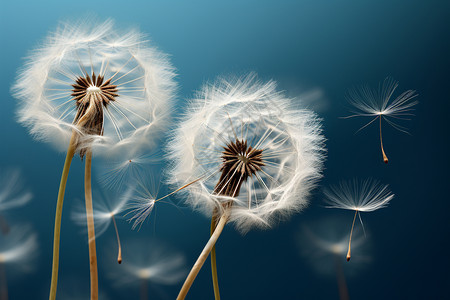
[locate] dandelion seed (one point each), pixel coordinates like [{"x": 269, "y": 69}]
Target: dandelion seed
[
  {"x": 93, "y": 90},
  {"x": 365, "y": 196},
  {"x": 12, "y": 194},
  {"x": 106, "y": 209},
  {"x": 121, "y": 171},
  {"x": 18, "y": 251},
  {"x": 378, "y": 105},
  {"x": 148, "y": 261},
  {"x": 323, "y": 244},
  {"x": 244, "y": 155}
]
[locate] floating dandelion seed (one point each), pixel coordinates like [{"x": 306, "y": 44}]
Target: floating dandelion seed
[
  {"x": 148, "y": 261},
  {"x": 323, "y": 244},
  {"x": 91, "y": 89},
  {"x": 18, "y": 251},
  {"x": 12, "y": 194},
  {"x": 106, "y": 210},
  {"x": 365, "y": 196},
  {"x": 377, "y": 104},
  {"x": 122, "y": 170},
  {"x": 143, "y": 199},
  {"x": 244, "y": 154}
]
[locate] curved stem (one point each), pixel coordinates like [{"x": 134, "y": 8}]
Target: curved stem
[
  {"x": 215, "y": 279},
  {"x": 350, "y": 240},
  {"x": 203, "y": 256},
  {"x": 119, "y": 254},
  {"x": 385, "y": 159},
  {"x": 90, "y": 225},
  {"x": 59, "y": 205}
]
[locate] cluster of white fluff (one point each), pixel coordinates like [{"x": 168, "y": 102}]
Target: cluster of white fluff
[
  {"x": 143, "y": 75},
  {"x": 243, "y": 108}
]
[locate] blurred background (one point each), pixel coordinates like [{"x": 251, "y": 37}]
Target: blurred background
[{"x": 315, "y": 50}]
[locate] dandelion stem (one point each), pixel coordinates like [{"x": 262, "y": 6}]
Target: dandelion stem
[
  {"x": 119, "y": 254},
  {"x": 144, "y": 289},
  {"x": 4, "y": 226},
  {"x": 90, "y": 225},
  {"x": 342, "y": 284},
  {"x": 59, "y": 205},
  {"x": 350, "y": 240},
  {"x": 3, "y": 283},
  {"x": 204, "y": 255},
  {"x": 215, "y": 279},
  {"x": 385, "y": 159}
]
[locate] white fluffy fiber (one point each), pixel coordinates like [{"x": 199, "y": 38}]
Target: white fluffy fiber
[
  {"x": 144, "y": 77},
  {"x": 243, "y": 107}
]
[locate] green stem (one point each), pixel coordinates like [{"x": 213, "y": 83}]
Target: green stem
[
  {"x": 59, "y": 205},
  {"x": 215, "y": 279},
  {"x": 90, "y": 225}
]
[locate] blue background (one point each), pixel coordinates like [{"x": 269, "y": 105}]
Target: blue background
[{"x": 329, "y": 46}]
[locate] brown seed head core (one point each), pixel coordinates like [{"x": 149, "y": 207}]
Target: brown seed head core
[
  {"x": 239, "y": 162},
  {"x": 91, "y": 94}
]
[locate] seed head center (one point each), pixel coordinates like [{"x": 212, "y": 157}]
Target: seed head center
[
  {"x": 93, "y": 89},
  {"x": 243, "y": 158}
]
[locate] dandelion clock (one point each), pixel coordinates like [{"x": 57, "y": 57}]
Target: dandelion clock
[
  {"x": 91, "y": 89},
  {"x": 245, "y": 155}
]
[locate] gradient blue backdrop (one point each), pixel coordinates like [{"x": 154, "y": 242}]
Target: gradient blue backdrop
[{"x": 329, "y": 46}]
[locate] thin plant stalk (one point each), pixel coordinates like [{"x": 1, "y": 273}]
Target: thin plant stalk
[
  {"x": 215, "y": 279},
  {"x": 59, "y": 205},
  {"x": 385, "y": 159},
  {"x": 3, "y": 283},
  {"x": 342, "y": 284},
  {"x": 90, "y": 225},
  {"x": 203, "y": 256},
  {"x": 350, "y": 240},
  {"x": 119, "y": 254},
  {"x": 144, "y": 289},
  {"x": 4, "y": 226}
]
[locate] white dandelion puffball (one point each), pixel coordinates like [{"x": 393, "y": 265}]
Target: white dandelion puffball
[
  {"x": 112, "y": 89},
  {"x": 251, "y": 150}
]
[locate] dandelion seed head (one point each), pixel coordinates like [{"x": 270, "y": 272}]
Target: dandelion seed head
[
  {"x": 111, "y": 89},
  {"x": 251, "y": 148}
]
